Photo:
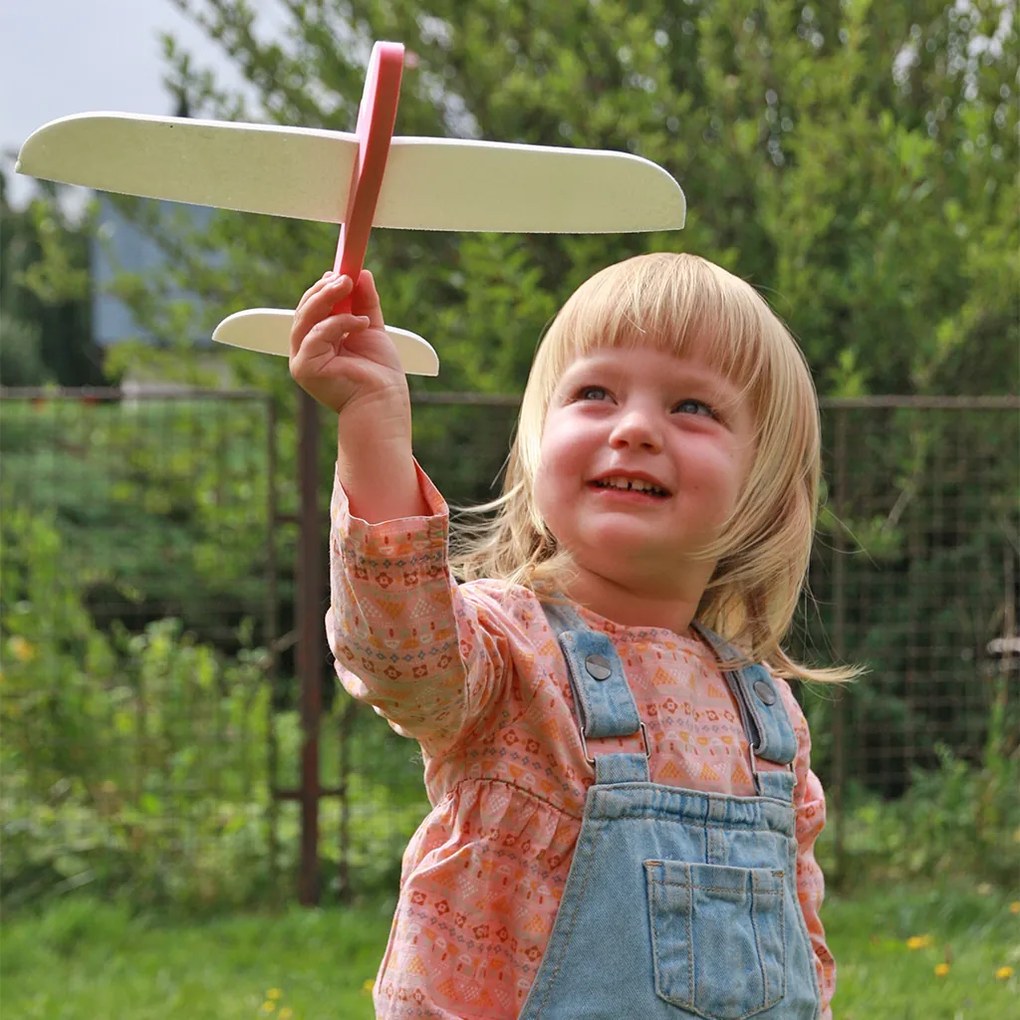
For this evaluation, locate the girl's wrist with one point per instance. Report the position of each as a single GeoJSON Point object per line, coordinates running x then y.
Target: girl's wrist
{"type": "Point", "coordinates": [375, 466]}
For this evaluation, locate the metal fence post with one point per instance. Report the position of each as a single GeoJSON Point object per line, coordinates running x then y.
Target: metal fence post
{"type": "Point", "coordinates": [310, 650]}
{"type": "Point", "coordinates": [272, 642]}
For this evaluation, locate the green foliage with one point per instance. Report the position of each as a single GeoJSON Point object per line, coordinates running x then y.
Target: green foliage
{"type": "Point", "coordinates": [137, 761]}
{"type": "Point", "coordinates": [161, 505]}
{"type": "Point", "coordinates": [914, 573]}
{"type": "Point", "coordinates": [480, 435]}
{"type": "Point", "coordinates": [958, 819]}
{"type": "Point", "coordinates": [21, 360]}
{"type": "Point", "coordinates": [129, 760]}
{"type": "Point", "coordinates": [853, 160]}
{"type": "Point", "coordinates": [44, 293]}
{"type": "Point", "coordinates": [365, 832]}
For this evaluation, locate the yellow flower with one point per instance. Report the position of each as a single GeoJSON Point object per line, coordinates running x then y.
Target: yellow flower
{"type": "Point", "coordinates": [1003, 973]}
{"type": "Point", "coordinates": [1014, 907]}
{"type": "Point", "coordinates": [22, 650]}
{"type": "Point", "coordinates": [274, 994]}
{"type": "Point", "coordinates": [368, 985]}
{"type": "Point", "coordinates": [941, 969]}
{"type": "Point", "coordinates": [268, 1006]}
{"type": "Point", "coordinates": [919, 942]}
{"type": "Point", "coordinates": [286, 1013]}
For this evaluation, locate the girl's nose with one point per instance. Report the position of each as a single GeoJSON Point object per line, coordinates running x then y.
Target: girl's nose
{"type": "Point", "coordinates": [635, 427]}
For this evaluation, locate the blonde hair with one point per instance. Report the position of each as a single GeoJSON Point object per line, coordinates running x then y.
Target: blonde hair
{"type": "Point", "coordinates": [672, 302]}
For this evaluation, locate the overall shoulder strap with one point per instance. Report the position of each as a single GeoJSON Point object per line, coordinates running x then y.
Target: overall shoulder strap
{"type": "Point", "coordinates": [766, 721]}
{"type": "Point", "coordinates": [605, 704]}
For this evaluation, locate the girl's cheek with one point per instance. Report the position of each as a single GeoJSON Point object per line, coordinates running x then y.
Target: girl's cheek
{"type": "Point", "coordinates": [545, 496]}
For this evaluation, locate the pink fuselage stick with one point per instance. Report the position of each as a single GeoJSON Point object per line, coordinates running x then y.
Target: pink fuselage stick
{"type": "Point", "coordinates": [377, 116]}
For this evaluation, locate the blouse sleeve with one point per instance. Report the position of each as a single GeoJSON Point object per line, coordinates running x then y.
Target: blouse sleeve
{"type": "Point", "coordinates": [405, 639]}
{"type": "Point", "coordinates": [809, 804]}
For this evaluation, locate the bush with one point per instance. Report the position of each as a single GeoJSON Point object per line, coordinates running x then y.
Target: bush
{"type": "Point", "coordinates": [959, 819]}
{"type": "Point", "coordinates": [161, 505]}
{"type": "Point", "coordinates": [129, 761]}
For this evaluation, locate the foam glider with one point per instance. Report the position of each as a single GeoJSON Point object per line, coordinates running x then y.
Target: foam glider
{"type": "Point", "coordinates": [360, 180]}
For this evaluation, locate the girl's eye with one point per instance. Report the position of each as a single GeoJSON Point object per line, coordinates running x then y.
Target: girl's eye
{"type": "Point", "coordinates": [696, 407]}
{"type": "Point", "coordinates": [592, 393]}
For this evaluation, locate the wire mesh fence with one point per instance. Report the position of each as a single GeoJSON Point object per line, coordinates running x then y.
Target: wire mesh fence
{"type": "Point", "coordinates": [150, 750]}
{"type": "Point", "coordinates": [915, 576]}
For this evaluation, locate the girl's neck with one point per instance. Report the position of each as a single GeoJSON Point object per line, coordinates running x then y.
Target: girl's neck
{"type": "Point", "coordinates": [672, 610]}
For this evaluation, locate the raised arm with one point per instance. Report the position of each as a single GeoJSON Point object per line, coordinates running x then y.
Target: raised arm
{"type": "Point", "coordinates": [347, 362]}
{"type": "Point", "coordinates": [404, 639]}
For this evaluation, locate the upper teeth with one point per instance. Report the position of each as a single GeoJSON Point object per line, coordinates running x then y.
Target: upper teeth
{"type": "Point", "coordinates": [619, 482]}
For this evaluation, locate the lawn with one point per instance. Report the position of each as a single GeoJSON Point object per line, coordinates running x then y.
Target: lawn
{"type": "Point", "coordinates": [904, 954]}
{"type": "Point", "coordinates": [951, 953]}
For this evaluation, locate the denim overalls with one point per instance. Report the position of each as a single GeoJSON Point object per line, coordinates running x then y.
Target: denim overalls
{"type": "Point", "coordinates": [677, 903]}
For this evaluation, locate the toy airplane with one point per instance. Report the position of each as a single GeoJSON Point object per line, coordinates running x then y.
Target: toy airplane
{"type": "Point", "coordinates": [359, 180]}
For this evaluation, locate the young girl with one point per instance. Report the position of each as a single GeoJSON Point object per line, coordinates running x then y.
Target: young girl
{"type": "Point", "coordinates": [623, 812]}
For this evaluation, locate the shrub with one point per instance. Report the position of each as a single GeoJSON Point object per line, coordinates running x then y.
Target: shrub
{"type": "Point", "coordinates": [129, 760]}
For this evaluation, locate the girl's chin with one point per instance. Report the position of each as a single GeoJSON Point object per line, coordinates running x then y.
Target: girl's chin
{"type": "Point", "coordinates": [627, 535]}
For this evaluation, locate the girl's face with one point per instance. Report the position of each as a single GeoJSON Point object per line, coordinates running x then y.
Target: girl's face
{"type": "Point", "coordinates": [643, 458]}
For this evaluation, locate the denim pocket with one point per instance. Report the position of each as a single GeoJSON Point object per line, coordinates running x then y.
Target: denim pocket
{"type": "Point", "coordinates": [718, 940]}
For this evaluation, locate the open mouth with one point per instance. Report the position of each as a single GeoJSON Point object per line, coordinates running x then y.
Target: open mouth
{"type": "Point", "coordinates": [623, 484]}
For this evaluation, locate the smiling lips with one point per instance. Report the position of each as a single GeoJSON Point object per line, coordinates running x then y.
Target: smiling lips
{"type": "Point", "coordinates": [631, 483]}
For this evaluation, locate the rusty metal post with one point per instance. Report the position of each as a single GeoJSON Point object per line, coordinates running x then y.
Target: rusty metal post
{"type": "Point", "coordinates": [310, 645]}
{"type": "Point", "coordinates": [272, 612]}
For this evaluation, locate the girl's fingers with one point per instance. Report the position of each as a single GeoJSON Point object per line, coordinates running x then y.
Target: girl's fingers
{"type": "Point", "coordinates": [315, 306]}
{"type": "Point", "coordinates": [323, 281]}
{"type": "Point", "coordinates": [323, 337]}
{"type": "Point", "coordinates": [366, 300]}
{"type": "Point", "coordinates": [316, 332]}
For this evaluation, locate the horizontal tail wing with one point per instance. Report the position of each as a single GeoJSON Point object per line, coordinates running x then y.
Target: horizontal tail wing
{"type": "Point", "coordinates": [267, 330]}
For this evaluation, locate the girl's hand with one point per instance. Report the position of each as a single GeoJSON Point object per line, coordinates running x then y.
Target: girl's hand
{"type": "Point", "coordinates": [340, 359]}
{"type": "Point", "coordinates": [349, 363]}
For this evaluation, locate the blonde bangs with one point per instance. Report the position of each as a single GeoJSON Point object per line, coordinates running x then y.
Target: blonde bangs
{"type": "Point", "coordinates": [679, 304]}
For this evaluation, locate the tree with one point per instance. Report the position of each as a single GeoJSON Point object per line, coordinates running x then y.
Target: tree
{"type": "Point", "coordinates": [851, 159]}
{"type": "Point", "coordinates": [44, 294]}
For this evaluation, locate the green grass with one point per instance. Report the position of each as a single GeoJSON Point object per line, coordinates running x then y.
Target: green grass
{"type": "Point", "coordinates": [81, 959]}
{"type": "Point", "coordinates": [973, 930]}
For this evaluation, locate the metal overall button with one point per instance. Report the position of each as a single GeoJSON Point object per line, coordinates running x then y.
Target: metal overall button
{"type": "Point", "coordinates": [765, 692]}
{"type": "Point", "coordinates": [598, 667]}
